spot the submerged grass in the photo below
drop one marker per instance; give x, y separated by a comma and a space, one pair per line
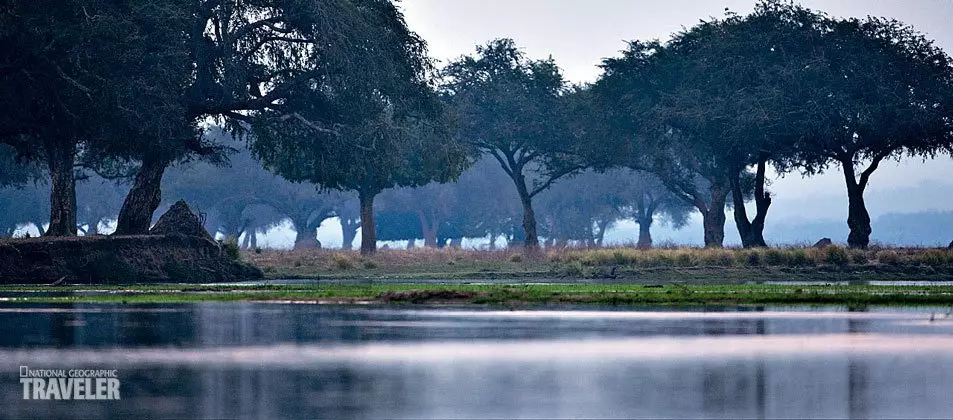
627, 294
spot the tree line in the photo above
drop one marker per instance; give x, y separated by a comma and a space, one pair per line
341, 95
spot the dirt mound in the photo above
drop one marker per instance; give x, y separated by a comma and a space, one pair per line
119, 259
179, 220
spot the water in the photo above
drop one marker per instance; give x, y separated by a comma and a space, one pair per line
305, 361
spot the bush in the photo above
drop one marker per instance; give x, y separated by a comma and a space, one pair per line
799, 258
888, 257
859, 257
685, 259
774, 257
753, 258
516, 258
229, 246
936, 258
836, 255
341, 261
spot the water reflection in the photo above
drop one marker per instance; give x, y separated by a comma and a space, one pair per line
275, 361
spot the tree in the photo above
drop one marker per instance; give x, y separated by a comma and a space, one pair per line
878, 89
513, 109
713, 101
80, 77
287, 61
397, 147
631, 91
242, 197
584, 207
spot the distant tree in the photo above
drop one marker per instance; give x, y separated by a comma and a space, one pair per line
584, 207
24, 205
242, 197
349, 214
473, 206
397, 147
98, 201
512, 108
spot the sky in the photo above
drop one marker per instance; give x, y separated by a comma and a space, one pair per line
578, 34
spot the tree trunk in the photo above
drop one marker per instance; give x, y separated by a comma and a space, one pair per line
305, 237
456, 243
253, 239
60, 159
858, 220
713, 218
751, 232
368, 234
348, 232
601, 236
429, 230
143, 199
645, 232
531, 241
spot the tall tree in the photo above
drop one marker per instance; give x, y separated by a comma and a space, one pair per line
513, 109
285, 60
878, 90
80, 76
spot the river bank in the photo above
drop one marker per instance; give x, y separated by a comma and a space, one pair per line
494, 294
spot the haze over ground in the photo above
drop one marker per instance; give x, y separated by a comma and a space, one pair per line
579, 34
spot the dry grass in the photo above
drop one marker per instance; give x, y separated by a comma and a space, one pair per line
583, 262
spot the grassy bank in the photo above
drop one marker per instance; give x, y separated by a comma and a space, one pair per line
672, 294
690, 265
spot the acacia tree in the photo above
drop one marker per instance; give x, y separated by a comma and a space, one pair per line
637, 132
713, 101
397, 147
513, 109
733, 99
80, 76
249, 60
879, 90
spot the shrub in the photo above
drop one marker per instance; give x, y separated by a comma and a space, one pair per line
836, 255
859, 257
229, 246
753, 258
516, 258
341, 261
685, 259
936, 258
573, 269
774, 257
799, 258
888, 257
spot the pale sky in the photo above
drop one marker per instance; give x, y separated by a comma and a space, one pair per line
578, 34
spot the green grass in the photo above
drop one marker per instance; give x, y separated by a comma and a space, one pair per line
628, 294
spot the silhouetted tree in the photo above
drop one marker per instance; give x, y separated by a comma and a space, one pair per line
512, 108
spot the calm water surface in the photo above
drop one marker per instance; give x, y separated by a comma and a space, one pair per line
305, 361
